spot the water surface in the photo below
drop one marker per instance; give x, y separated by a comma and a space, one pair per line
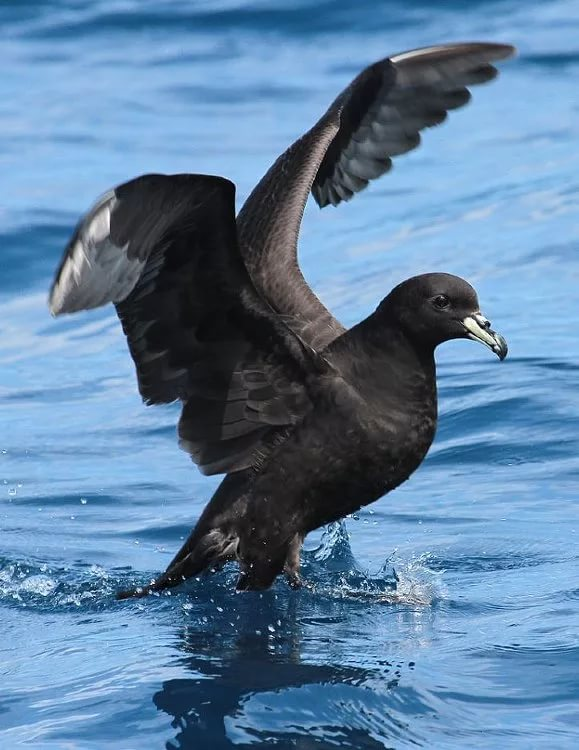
478, 645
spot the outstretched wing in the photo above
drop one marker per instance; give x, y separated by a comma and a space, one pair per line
164, 250
378, 116
384, 109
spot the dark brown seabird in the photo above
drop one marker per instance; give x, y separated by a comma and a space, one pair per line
309, 421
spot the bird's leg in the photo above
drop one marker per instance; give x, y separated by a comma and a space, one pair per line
292, 562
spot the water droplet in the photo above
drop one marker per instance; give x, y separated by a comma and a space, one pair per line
12, 491
83, 501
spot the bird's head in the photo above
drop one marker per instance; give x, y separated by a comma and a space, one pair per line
437, 307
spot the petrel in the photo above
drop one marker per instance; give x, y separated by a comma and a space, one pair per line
309, 421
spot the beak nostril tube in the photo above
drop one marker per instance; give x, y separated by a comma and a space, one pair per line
482, 321
479, 329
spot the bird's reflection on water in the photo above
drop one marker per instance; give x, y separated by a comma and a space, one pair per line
285, 669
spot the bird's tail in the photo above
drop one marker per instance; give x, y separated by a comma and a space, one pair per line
212, 542
203, 549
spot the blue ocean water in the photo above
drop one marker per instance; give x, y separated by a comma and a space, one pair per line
477, 644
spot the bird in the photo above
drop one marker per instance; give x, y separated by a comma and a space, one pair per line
308, 421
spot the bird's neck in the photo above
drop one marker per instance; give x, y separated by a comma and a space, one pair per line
391, 366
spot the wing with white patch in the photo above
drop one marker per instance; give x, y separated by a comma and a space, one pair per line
164, 250
94, 270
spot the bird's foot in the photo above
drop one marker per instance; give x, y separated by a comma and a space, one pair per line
294, 580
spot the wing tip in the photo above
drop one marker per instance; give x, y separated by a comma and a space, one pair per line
501, 51
57, 298
55, 308
492, 51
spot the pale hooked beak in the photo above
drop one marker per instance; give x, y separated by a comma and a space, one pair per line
479, 329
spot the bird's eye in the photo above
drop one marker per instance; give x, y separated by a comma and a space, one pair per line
441, 301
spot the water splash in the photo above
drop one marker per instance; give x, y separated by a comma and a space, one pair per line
332, 570
41, 586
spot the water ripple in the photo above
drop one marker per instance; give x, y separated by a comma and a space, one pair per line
448, 618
